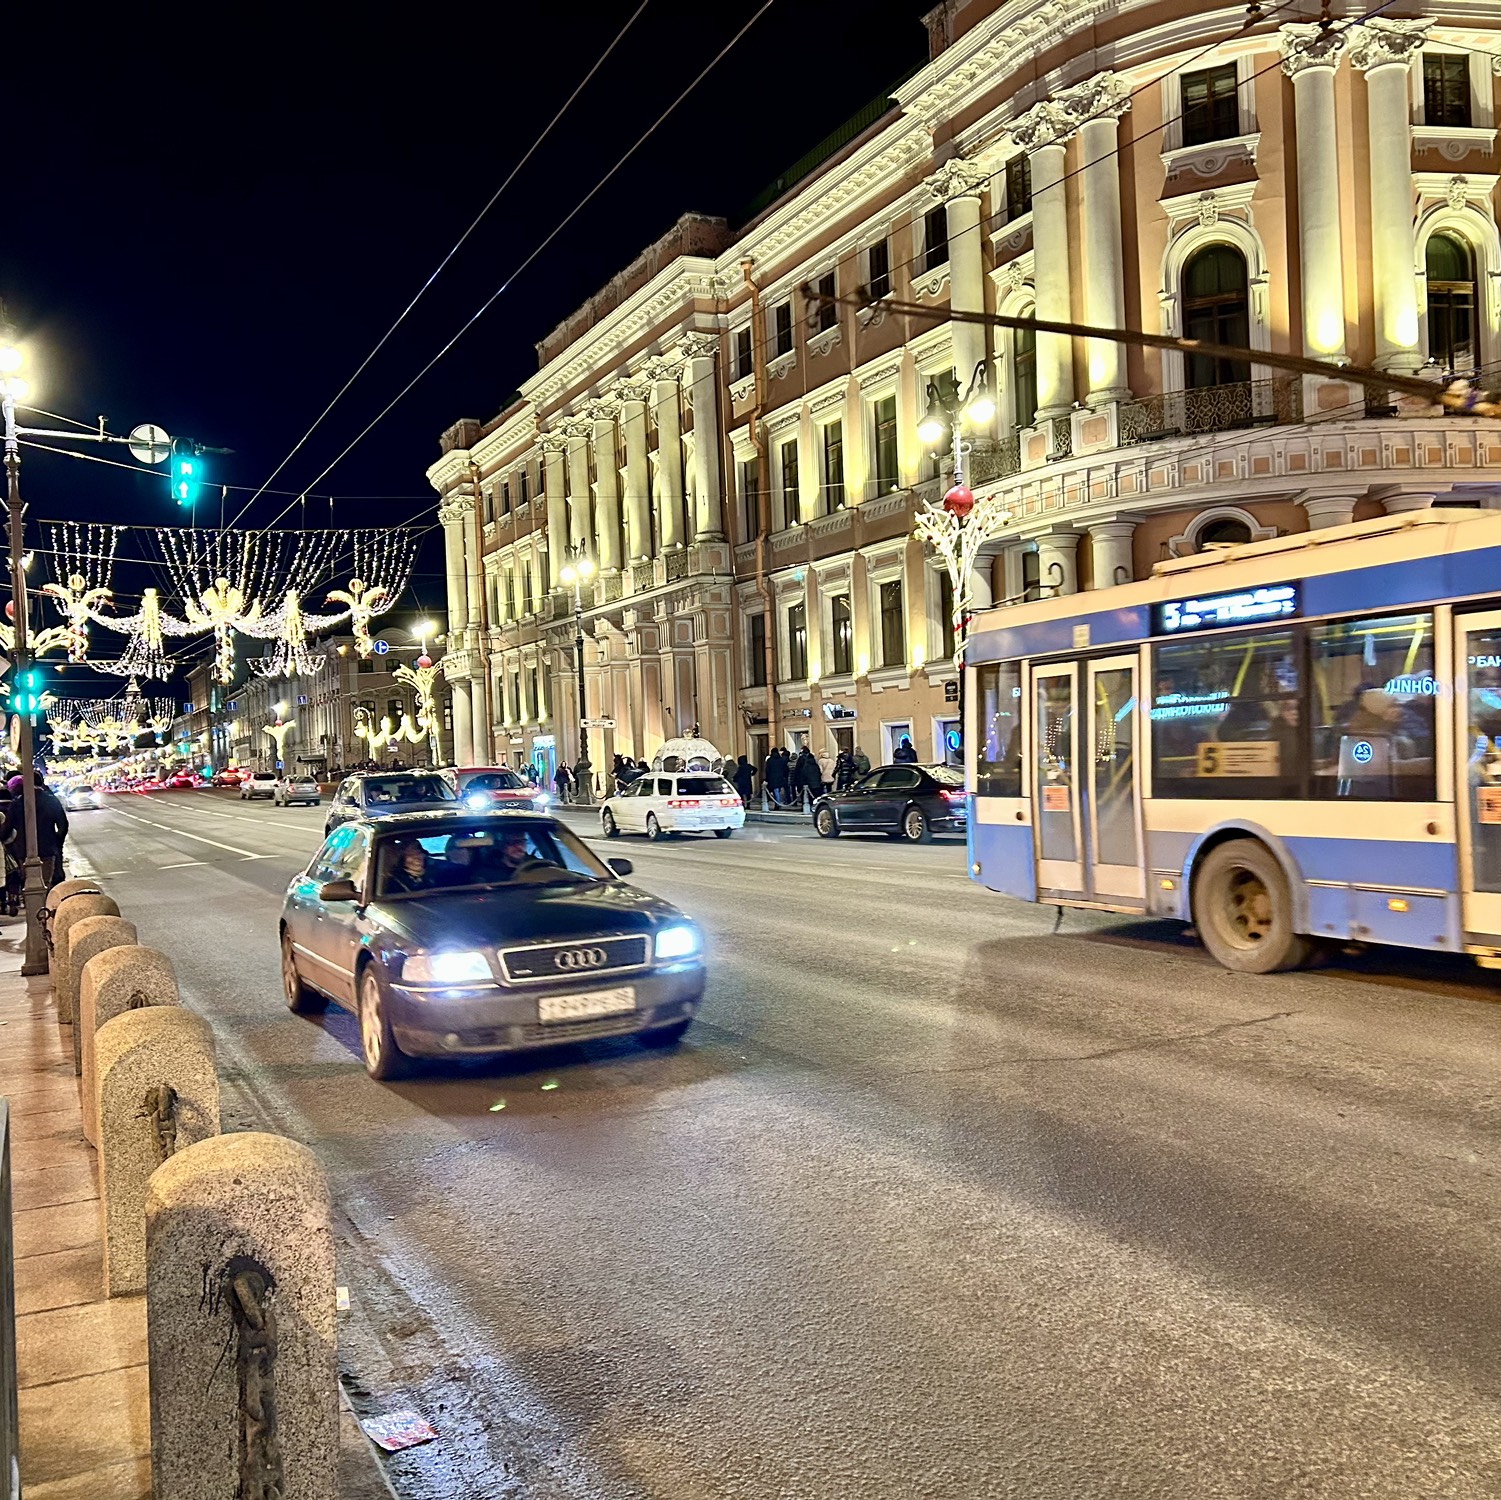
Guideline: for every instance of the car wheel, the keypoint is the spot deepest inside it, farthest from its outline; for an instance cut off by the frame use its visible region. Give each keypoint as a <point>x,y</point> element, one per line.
<point>653,828</point>
<point>666,1036</point>
<point>1243,910</point>
<point>723,833</point>
<point>915,827</point>
<point>607,822</point>
<point>300,999</point>
<point>383,1058</point>
<point>825,824</point>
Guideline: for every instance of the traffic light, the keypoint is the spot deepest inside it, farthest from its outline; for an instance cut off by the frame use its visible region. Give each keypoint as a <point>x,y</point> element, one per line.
<point>187,471</point>
<point>26,695</point>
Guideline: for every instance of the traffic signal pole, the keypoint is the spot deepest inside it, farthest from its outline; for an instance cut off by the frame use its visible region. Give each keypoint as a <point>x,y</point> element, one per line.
<point>33,890</point>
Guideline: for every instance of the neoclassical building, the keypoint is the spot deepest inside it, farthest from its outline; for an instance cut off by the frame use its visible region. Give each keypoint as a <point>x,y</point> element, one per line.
<point>741,465</point>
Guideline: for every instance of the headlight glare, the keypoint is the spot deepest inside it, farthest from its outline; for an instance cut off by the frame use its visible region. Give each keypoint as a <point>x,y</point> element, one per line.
<point>678,942</point>
<point>445,968</point>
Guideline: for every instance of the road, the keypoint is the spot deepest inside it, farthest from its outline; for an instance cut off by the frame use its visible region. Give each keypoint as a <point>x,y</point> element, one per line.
<point>932,1202</point>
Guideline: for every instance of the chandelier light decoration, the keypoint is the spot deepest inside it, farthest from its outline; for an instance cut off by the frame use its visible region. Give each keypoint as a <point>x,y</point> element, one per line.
<point>145,653</point>
<point>82,556</point>
<point>290,657</point>
<point>956,529</point>
<point>78,603</point>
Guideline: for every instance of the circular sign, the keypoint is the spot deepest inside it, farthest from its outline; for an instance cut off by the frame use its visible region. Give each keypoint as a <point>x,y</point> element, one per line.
<point>380,647</point>
<point>149,445</point>
<point>1362,752</point>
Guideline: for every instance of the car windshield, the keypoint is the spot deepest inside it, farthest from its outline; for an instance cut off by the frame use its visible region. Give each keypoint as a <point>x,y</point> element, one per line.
<point>494,781</point>
<point>483,856</point>
<point>383,791</point>
<point>704,786</point>
<point>945,775</point>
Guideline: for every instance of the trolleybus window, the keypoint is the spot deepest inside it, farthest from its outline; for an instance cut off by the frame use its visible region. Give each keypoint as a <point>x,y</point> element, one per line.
<point>999,770</point>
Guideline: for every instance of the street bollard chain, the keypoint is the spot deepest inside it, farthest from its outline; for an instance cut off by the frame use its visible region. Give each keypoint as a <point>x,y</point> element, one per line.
<point>160,1109</point>
<point>248,1288</point>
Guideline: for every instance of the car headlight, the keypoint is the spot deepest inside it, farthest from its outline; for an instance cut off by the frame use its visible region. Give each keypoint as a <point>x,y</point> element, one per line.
<point>678,942</point>
<point>543,799</point>
<point>445,968</point>
<point>478,801</point>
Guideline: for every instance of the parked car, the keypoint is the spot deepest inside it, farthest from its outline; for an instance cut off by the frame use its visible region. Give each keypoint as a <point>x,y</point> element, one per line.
<point>81,797</point>
<point>480,787</point>
<point>453,932</point>
<point>258,784</point>
<point>297,788</point>
<point>370,793</point>
<point>232,777</point>
<point>659,804</point>
<point>903,802</point>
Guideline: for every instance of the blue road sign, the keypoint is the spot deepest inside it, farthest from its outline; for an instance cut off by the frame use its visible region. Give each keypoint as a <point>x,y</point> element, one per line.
<point>380,647</point>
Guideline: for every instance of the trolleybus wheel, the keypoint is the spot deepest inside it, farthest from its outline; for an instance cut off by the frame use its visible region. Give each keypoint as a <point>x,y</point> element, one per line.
<point>1244,911</point>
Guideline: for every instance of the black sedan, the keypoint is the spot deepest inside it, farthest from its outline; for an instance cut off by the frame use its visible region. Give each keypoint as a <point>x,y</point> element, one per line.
<point>903,802</point>
<point>483,932</point>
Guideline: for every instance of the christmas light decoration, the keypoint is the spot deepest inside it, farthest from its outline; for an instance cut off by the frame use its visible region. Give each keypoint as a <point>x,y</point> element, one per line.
<point>956,529</point>
<point>78,603</point>
<point>364,603</point>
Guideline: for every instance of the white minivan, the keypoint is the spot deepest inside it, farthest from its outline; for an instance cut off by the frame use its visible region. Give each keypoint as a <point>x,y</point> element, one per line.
<point>660,803</point>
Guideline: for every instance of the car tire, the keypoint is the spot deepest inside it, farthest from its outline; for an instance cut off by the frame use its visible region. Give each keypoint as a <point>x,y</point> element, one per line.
<point>301,1000</point>
<point>915,827</point>
<point>666,1036</point>
<point>825,824</point>
<point>384,1060</point>
<point>723,833</point>
<point>1243,910</point>
<point>608,823</point>
<point>653,828</point>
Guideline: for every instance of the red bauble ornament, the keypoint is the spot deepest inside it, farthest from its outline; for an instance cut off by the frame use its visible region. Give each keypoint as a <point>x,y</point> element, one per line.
<point>10,609</point>
<point>424,661</point>
<point>959,501</point>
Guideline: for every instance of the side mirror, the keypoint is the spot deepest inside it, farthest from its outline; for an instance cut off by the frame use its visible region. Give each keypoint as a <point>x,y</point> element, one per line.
<point>621,867</point>
<point>338,890</point>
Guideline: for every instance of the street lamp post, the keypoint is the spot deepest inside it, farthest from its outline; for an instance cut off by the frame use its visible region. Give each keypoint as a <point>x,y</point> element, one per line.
<point>13,389</point>
<point>575,573</point>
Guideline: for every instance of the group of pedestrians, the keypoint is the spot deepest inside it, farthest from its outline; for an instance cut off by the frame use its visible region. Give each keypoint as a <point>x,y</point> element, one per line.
<point>51,836</point>
<point>787,777</point>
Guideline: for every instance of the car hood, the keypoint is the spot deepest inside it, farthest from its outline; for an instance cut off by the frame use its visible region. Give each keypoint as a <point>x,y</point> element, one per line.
<point>527,914</point>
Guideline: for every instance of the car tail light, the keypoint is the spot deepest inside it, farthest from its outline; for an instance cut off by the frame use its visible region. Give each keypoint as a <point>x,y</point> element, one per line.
<point>950,796</point>
<point>685,801</point>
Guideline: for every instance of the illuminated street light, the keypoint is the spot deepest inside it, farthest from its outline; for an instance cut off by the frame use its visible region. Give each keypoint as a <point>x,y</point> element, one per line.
<point>574,574</point>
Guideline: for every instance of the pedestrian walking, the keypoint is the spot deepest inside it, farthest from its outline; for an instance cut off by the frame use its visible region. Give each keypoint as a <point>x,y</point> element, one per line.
<point>51,829</point>
<point>826,771</point>
<point>904,754</point>
<point>774,776</point>
<point>806,776</point>
<point>844,771</point>
<point>745,779</point>
<point>560,781</point>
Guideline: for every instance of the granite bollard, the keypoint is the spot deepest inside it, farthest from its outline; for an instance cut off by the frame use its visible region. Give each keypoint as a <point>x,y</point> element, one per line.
<point>240,1318</point>
<point>74,910</point>
<point>85,939</point>
<point>112,982</point>
<point>60,893</point>
<point>139,1053</point>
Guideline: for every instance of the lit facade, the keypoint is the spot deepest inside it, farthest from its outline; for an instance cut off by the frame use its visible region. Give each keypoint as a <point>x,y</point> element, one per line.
<point>743,466</point>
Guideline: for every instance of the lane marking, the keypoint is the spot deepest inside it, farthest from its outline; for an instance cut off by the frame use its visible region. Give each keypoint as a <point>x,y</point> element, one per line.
<point>197,837</point>
<point>184,865</point>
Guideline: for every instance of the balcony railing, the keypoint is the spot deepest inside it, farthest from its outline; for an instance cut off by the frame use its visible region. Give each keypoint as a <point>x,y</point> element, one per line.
<point>1213,408</point>
<point>677,565</point>
<point>643,576</point>
<point>991,459</point>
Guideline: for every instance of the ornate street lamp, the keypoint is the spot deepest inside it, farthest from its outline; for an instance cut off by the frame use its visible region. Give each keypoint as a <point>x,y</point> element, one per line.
<point>574,574</point>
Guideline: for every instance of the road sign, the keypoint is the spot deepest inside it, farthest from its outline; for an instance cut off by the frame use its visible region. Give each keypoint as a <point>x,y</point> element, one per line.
<point>599,723</point>
<point>380,647</point>
<point>301,700</point>
<point>149,445</point>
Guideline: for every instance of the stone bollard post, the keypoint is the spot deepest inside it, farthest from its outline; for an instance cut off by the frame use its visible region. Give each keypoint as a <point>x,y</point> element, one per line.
<point>85,939</point>
<point>240,1322</point>
<point>60,893</point>
<point>113,982</point>
<point>141,1054</point>
<point>72,911</point>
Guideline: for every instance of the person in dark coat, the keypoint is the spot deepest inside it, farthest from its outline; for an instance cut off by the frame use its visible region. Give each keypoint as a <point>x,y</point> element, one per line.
<point>904,754</point>
<point>844,771</point>
<point>51,830</point>
<point>744,779</point>
<point>806,775</point>
<point>774,776</point>
<point>560,780</point>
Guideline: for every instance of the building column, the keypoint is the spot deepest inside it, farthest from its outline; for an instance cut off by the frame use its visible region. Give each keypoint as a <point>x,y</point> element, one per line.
<point>1058,560</point>
<point>1331,510</point>
<point>1383,51</point>
<point>958,185</point>
<point>557,506</point>
<point>1101,102</point>
<point>580,519</point>
<point>1043,132</point>
<point>703,402</point>
<point>1397,503</point>
<point>1310,57</point>
<point>669,485</point>
<point>455,515</point>
<point>636,475</point>
<point>606,490</point>
<point>1111,553</point>
<point>463,729</point>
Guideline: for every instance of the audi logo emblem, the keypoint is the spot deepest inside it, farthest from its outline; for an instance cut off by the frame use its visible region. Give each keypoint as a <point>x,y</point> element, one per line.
<point>582,958</point>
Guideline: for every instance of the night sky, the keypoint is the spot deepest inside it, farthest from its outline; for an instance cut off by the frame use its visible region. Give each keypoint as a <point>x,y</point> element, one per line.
<point>212,215</point>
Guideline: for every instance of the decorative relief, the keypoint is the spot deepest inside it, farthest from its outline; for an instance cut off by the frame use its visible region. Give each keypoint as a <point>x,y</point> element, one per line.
<point>1212,159</point>
<point>743,389</point>
<point>957,178</point>
<point>699,345</point>
<point>887,370</point>
<point>1209,210</point>
<point>932,283</point>
<point>1457,192</point>
<point>552,442</point>
<point>633,389</point>
<point>1380,42</point>
<point>661,367</point>
<point>823,403</point>
<point>779,367</point>
<point>821,343</point>
<point>1453,142</point>
<point>1306,47</point>
<point>458,508</point>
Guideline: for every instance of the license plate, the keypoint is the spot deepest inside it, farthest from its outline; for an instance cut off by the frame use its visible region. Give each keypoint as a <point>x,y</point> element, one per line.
<point>592,1003</point>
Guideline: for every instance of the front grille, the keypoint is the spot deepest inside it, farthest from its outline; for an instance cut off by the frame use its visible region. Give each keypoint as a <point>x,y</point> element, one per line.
<point>584,959</point>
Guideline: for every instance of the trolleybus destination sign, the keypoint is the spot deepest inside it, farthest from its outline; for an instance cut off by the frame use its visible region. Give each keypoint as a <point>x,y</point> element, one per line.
<point>1277,601</point>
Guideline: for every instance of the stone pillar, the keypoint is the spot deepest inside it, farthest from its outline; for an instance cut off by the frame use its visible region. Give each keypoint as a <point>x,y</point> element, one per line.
<point>669,485</point>
<point>606,490</point>
<point>463,724</point>
<point>1310,57</point>
<point>455,514</point>
<point>224,1211</point>
<point>557,506</point>
<point>580,519</point>
<point>1058,558</point>
<point>703,402</point>
<point>1330,510</point>
<point>1383,50</point>
<point>1043,132</point>
<point>636,475</point>
<point>139,1052</point>
<point>1110,553</point>
<point>1101,102</point>
<point>72,911</point>
<point>117,980</point>
<point>958,185</point>
<point>1397,503</point>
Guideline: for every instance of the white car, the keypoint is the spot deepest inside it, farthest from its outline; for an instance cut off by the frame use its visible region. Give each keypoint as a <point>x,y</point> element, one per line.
<point>292,789</point>
<point>683,802</point>
<point>258,784</point>
<point>82,798</point>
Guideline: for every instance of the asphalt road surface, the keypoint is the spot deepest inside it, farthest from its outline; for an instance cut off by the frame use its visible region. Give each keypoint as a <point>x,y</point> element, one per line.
<point>932,1202</point>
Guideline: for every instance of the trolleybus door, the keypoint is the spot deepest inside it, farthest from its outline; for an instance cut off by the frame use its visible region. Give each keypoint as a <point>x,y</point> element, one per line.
<point>1055,778</point>
<point>1478,780</point>
<point>1112,812</point>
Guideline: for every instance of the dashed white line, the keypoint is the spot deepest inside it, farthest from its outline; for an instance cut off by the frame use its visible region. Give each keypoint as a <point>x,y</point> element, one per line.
<point>197,837</point>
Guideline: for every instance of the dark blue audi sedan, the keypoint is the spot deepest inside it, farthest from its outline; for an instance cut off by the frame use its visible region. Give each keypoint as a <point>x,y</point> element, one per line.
<point>460,932</point>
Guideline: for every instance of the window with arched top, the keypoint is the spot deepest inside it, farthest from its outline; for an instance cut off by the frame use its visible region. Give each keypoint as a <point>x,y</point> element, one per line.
<point>1216,308</point>
<point>1226,531</point>
<point>1450,263</point>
